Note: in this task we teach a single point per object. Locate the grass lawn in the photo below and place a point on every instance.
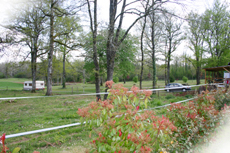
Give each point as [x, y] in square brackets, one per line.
[37, 113]
[12, 87]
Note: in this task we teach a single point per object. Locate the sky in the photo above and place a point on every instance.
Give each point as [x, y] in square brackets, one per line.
[8, 7]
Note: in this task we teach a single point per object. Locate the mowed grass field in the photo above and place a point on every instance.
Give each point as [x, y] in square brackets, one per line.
[13, 87]
[24, 115]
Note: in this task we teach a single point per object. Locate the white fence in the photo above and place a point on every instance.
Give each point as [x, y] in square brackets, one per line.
[76, 124]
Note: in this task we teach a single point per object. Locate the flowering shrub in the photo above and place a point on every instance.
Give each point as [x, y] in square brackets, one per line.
[124, 128]
[193, 120]
[2, 141]
[222, 98]
[125, 125]
[4, 148]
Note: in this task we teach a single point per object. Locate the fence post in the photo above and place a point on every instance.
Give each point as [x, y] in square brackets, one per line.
[6, 87]
[83, 89]
[72, 90]
[158, 91]
[77, 89]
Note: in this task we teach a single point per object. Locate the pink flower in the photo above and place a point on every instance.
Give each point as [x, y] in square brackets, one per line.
[120, 133]
[129, 135]
[137, 108]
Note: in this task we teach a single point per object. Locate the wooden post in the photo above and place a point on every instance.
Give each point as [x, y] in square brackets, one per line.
[158, 91]
[83, 89]
[205, 77]
[72, 90]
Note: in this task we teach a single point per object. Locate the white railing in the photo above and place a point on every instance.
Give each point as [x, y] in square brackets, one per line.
[76, 124]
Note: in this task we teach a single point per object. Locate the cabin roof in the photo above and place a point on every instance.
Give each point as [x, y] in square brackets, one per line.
[219, 68]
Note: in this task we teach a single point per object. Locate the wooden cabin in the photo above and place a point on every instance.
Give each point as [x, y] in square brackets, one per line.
[220, 74]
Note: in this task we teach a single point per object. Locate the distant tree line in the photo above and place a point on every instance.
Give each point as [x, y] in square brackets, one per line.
[47, 31]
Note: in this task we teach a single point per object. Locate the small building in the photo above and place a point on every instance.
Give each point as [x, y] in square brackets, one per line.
[220, 74]
[40, 85]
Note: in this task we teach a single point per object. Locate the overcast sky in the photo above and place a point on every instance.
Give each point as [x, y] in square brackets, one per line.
[7, 7]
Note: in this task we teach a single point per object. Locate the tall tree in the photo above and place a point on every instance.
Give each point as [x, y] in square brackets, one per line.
[93, 27]
[51, 47]
[124, 59]
[173, 37]
[143, 24]
[54, 9]
[196, 42]
[115, 37]
[217, 32]
[29, 24]
[66, 28]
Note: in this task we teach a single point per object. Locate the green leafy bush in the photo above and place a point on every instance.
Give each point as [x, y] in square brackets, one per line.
[2, 75]
[185, 79]
[222, 98]
[171, 79]
[193, 120]
[135, 79]
[115, 79]
[169, 96]
[124, 128]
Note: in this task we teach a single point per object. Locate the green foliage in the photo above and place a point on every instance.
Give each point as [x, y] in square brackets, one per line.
[171, 78]
[194, 120]
[185, 79]
[135, 79]
[125, 55]
[215, 24]
[222, 98]
[131, 129]
[143, 131]
[20, 75]
[156, 102]
[156, 80]
[2, 75]
[115, 79]
[169, 96]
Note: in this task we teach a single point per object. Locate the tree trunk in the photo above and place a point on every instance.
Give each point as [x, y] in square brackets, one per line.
[153, 50]
[198, 70]
[142, 52]
[93, 26]
[63, 73]
[50, 54]
[33, 70]
[168, 62]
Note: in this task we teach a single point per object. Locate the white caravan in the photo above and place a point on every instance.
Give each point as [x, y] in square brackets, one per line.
[40, 85]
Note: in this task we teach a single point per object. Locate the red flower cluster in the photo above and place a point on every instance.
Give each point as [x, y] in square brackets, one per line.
[163, 124]
[120, 133]
[2, 141]
[147, 93]
[109, 84]
[145, 149]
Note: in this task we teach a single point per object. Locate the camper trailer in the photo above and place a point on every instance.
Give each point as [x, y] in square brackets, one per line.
[40, 85]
